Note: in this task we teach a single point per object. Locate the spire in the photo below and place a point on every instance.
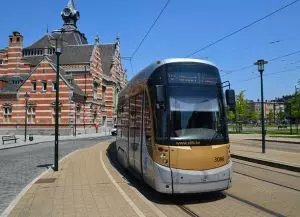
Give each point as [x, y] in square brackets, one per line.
[97, 40]
[70, 16]
[71, 5]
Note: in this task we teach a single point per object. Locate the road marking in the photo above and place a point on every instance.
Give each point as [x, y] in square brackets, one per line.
[157, 211]
[124, 195]
[15, 201]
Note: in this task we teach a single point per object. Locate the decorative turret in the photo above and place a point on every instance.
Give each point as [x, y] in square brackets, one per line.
[70, 16]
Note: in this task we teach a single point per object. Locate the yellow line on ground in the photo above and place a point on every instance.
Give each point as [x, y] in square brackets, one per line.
[124, 195]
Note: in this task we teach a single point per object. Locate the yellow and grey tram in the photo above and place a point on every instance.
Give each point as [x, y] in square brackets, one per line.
[171, 127]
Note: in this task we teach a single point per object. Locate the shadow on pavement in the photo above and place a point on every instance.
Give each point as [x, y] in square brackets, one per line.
[44, 165]
[157, 197]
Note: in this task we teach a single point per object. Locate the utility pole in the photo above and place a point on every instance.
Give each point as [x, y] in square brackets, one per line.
[298, 109]
[26, 116]
[260, 64]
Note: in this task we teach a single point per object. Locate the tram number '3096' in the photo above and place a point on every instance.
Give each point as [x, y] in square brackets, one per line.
[219, 159]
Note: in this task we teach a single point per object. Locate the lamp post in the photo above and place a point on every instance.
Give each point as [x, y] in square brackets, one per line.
[58, 51]
[260, 64]
[298, 106]
[26, 96]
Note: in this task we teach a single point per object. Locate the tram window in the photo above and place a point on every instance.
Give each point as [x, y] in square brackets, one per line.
[119, 123]
[138, 117]
[147, 120]
[125, 118]
[132, 120]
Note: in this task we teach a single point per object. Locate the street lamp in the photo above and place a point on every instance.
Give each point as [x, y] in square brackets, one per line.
[58, 50]
[26, 96]
[260, 64]
[298, 110]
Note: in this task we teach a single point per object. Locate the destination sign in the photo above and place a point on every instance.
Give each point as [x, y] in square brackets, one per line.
[192, 78]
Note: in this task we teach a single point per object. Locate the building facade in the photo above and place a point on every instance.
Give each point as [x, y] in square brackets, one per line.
[91, 76]
[270, 106]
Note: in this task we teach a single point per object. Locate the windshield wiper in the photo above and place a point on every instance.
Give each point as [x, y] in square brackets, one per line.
[217, 133]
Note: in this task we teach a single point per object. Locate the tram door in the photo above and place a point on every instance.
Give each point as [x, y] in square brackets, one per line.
[135, 128]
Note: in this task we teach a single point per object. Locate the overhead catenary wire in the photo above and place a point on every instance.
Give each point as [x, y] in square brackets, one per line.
[227, 72]
[243, 28]
[151, 27]
[272, 73]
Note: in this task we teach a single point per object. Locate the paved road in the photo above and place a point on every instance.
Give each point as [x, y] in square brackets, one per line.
[19, 166]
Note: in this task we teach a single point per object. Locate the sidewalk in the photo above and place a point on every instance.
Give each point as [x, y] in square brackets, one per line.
[38, 139]
[271, 155]
[85, 185]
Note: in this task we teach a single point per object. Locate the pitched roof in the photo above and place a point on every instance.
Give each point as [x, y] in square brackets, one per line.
[75, 54]
[71, 55]
[74, 37]
[13, 83]
[107, 56]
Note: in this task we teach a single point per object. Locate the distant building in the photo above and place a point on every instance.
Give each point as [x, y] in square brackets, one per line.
[91, 76]
[274, 106]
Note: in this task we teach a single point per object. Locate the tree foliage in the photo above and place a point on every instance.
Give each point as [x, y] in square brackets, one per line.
[242, 108]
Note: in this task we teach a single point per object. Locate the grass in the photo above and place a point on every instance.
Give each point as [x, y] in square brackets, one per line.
[286, 136]
[281, 132]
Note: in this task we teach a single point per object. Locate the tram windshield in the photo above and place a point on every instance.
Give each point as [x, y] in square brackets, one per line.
[195, 113]
[195, 104]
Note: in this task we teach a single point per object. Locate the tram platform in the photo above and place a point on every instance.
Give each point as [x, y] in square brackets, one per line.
[86, 185]
[279, 151]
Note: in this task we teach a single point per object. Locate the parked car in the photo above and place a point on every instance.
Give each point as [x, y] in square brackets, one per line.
[114, 131]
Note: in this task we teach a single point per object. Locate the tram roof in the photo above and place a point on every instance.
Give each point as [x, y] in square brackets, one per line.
[145, 74]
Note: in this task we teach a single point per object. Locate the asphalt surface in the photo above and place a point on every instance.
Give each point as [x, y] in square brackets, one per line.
[19, 166]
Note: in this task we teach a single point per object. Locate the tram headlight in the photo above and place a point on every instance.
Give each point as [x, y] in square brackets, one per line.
[163, 155]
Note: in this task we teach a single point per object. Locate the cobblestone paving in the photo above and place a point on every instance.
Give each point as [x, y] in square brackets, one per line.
[19, 166]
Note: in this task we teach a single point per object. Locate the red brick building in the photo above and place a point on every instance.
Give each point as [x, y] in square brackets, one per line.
[91, 76]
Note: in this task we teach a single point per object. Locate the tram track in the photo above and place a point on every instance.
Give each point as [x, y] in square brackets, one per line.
[265, 180]
[264, 168]
[187, 210]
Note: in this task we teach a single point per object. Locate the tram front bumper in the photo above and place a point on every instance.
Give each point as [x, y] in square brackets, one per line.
[191, 181]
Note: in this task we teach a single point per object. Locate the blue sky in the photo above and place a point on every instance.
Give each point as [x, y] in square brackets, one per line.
[184, 27]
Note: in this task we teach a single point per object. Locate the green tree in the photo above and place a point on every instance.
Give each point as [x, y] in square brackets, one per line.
[254, 115]
[242, 108]
[281, 115]
[270, 116]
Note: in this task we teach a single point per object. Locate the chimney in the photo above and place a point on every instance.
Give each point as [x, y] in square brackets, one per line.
[15, 40]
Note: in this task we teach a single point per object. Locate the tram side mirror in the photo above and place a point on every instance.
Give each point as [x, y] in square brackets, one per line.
[230, 98]
[160, 96]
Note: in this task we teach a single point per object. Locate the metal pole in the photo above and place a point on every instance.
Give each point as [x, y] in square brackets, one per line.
[262, 113]
[26, 105]
[297, 115]
[84, 99]
[274, 107]
[56, 114]
[75, 120]
[291, 130]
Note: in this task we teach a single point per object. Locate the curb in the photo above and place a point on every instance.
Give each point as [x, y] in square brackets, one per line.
[15, 201]
[35, 143]
[276, 164]
[279, 141]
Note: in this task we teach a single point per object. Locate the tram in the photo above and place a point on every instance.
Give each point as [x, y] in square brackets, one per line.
[171, 127]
